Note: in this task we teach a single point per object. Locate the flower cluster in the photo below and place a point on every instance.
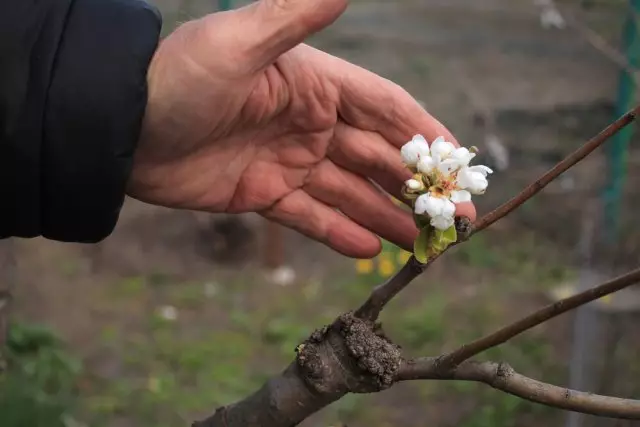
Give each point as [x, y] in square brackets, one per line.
[442, 177]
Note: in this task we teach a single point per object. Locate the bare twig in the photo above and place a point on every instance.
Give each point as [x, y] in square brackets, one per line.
[556, 171]
[601, 44]
[502, 377]
[383, 293]
[550, 311]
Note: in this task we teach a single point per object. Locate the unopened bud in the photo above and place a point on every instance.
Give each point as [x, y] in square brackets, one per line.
[414, 185]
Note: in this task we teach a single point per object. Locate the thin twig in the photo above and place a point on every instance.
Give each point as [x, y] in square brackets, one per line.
[556, 171]
[550, 311]
[601, 44]
[383, 293]
[502, 377]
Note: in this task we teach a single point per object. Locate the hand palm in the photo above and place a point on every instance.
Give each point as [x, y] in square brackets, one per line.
[296, 139]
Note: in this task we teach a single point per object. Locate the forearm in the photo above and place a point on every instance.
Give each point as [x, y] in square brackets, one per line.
[71, 110]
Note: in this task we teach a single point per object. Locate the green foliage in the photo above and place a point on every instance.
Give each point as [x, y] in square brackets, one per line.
[420, 326]
[421, 245]
[39, 387]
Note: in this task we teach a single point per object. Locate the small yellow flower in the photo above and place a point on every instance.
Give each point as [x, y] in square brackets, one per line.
[153, 384]
[403, 257]
[606, 299]
[364, 266]
[386, 267]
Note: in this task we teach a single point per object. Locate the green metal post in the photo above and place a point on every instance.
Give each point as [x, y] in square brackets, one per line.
[617, 148]
[224, 4]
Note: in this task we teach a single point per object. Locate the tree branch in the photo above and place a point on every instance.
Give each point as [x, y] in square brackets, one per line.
[350, 355]
[502, 377]
[570, 161]
[384, 293]
[546, 313]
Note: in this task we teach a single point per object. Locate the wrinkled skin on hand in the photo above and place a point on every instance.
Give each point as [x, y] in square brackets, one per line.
[242, 117]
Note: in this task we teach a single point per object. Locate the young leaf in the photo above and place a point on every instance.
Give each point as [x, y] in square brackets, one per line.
[443, 238]
[421, 245]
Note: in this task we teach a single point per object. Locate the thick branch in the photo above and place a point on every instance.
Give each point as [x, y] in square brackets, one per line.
[550, 311]
[284, 401]
[349, 356]
[502, 377]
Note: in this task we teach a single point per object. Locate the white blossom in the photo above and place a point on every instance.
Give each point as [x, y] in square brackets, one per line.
[473, 178]
[440, 209]
[441, 149]
[460, 196]
[426, 164]
[412, 151]
[448, 178]
[463, 156]
[414, 184]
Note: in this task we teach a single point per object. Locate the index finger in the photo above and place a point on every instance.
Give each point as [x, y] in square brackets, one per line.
[373, 103]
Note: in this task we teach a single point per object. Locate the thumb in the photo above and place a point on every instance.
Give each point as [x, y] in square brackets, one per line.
[276, 26]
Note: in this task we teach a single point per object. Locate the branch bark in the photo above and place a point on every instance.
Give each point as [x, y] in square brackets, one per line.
[350, 355]
[502, 377]
[570, 161]
[546, 313]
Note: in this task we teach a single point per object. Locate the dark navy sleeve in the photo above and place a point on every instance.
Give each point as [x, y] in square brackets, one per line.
[73, 92]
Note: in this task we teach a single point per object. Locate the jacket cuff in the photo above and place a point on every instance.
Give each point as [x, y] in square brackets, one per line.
[96, 103]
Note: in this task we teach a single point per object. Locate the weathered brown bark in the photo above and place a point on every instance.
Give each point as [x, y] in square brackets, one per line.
[351, 355]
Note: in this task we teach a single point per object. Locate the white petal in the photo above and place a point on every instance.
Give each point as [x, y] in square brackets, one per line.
[448, 165]
[413, 184]
[448, 208]
[460, 196]
[442, 222]
[484, 170]
[420, 206]
[430, 205]
[441, 149]
[463, 156]
[419, 138]
[413, 150]
[472, 180]
[426, 164]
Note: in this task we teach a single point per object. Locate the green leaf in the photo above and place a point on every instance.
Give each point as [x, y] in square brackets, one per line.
[421, 245]
[443, 238]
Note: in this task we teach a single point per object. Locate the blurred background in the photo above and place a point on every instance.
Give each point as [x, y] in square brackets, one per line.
[177, 313]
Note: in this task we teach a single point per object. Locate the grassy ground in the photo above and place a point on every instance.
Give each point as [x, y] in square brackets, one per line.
[146, 365]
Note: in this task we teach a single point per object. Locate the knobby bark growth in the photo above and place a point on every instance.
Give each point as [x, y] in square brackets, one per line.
[353, 355]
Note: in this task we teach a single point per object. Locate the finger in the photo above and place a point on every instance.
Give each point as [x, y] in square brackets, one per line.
[272, 27]
[363, 203]
[316, 220]
[370, 155]
[370, 102]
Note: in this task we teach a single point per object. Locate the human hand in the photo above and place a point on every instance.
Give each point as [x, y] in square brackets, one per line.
[243, 118]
